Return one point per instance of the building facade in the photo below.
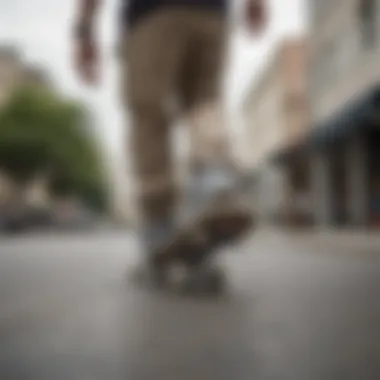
(277, 113)
(346, 47)
(344, 83)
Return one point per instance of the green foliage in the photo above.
(40, 131)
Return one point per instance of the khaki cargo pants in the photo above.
(172, 66)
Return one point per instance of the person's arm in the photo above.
(256, 14)
(86, 14)
(85, 43)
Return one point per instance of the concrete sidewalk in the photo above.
(323, 240)
(68, 311)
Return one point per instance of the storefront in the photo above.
(294, 162)
(374, 175)
(341, 162)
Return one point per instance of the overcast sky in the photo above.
(41, 28)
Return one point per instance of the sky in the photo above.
(41, 30)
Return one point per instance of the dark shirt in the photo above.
(134, 10)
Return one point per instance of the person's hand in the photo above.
(86, 56)
(256, 16)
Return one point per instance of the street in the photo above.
(297, 308)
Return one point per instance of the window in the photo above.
(367, 22)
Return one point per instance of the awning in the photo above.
(355, 115)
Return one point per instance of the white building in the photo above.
(345, 52)
(344, 72)
(277, 115)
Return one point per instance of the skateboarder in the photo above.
(171, 62)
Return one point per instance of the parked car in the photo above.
(74, 218)
(24, 218)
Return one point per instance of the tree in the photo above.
(42, 132)
(23, 143)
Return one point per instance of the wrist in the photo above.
(83, 29)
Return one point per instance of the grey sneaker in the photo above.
(205, 183)
(214, 203)
(153, 237)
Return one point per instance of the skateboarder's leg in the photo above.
(215, 176)
(152, 57)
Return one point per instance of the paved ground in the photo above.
(298, 308)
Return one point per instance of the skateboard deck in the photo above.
(224, 221)
(198, 240)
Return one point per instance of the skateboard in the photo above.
(195, 246)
